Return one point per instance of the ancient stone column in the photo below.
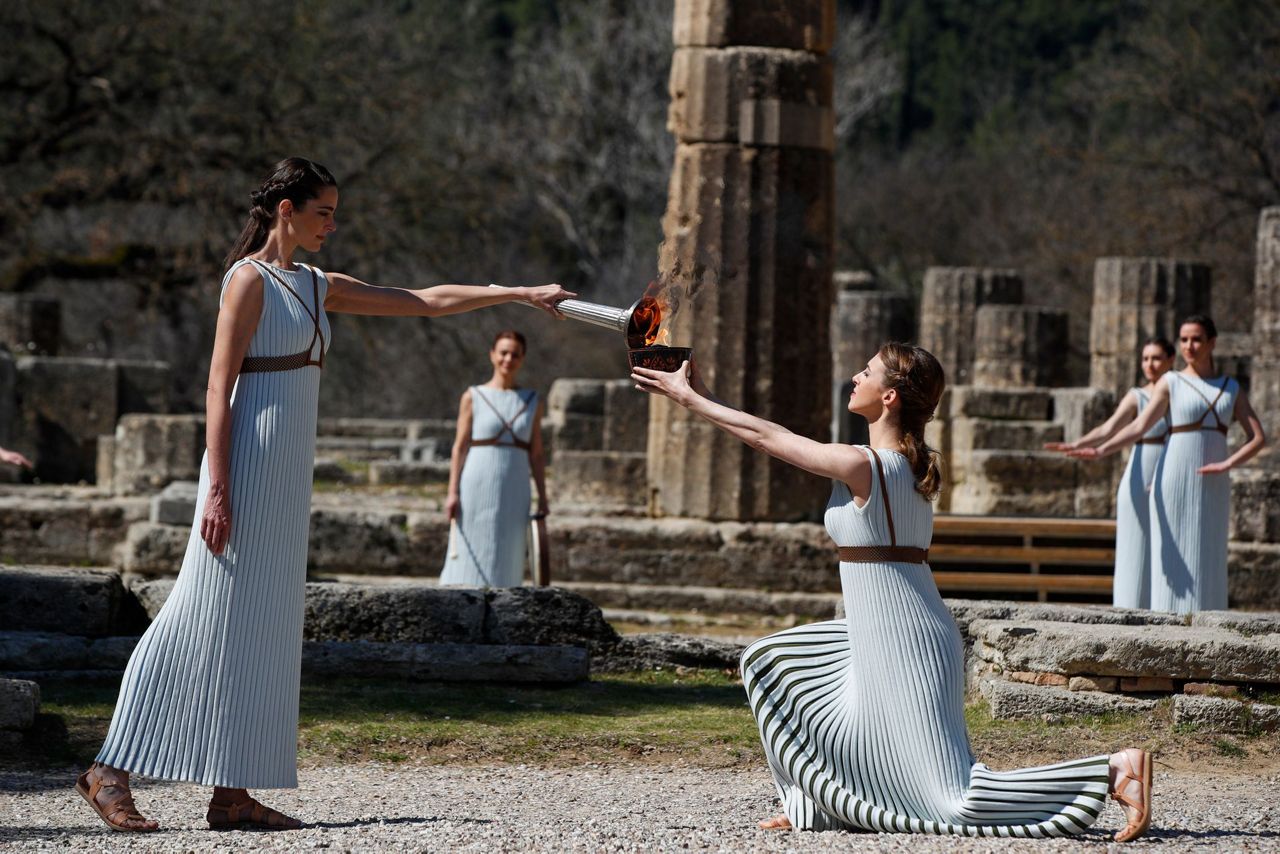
(948, 306)
(1134, 299)
(1019, 346)
(748, 241)
(862, 320)
(1264, 389)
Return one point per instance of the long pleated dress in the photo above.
(1131, 587)
(210, 694)
(1189, 511)
(487, 546)
(862, 719)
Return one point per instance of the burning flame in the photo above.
(647, 320)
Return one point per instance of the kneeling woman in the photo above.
(862, 719)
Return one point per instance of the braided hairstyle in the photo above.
(919, 380)
(295, 178)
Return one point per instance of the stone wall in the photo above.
(948, 312)
(862, 319)
(599, 429)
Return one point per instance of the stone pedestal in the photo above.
(948, 311)
(748, 244)
(862, 320)
(1019, 346)
(1264, 391)
(1133, 300)
(152, 451)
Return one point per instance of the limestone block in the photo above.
(59, 599)
(1242, 622)
(143, 386)
(1010, 404)
(1021, 469)
(359, 449)
(1017, 701)
(1210, 689)
(1019, 346)
(36, 652)
(1264, 388)
(664, 650)
(1032, 678)
(1217, 714)
(399, 613)
(970, 434)
(364, 541)
(105, 465)
(175, 504)
(626, 418)
(428, 542)
(751, 96)
(545, 616)
(948, 305)
(64, 405)
(150, 593)
(384, 472)
(1093, 683)
(155, 450)
(30, 325)
(575, 433)
(1172, 652)
(577, 396)
(599, 479)
(799, 24)
(67, 531)
(1253, 575)
(969, 614)
(19, 702)
(1255, 505)
(1146, 685)
(150, 547)
(447, 662)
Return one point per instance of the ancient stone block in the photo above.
(30, 325)
(862, 320)
(1264, 389)
(599, 479)
(751, 96)
(1019, 346)
(577, 396)
(425, 451)
(385, 472)
(402, 613)
(1015, 701)
(1032, 678)
(367, 541)
(1218, 714)
(143, 386)
(748, 234)
(447, 662)
(1241, 622)
(1253, 575)
(67, 531)
(1011, 404)
(175, 504)
(805, 25)
(19, 702)
(150, 593)
(329, 469)
(626, 418)
(368, 428)
(664, 650)
(1079, 410)
(58, 599)
(155, 450)
(948, 305)
(1146, 685)
(1015, 468)
(545, 616)
(36, 652)
(105, 466)
(63, 406)
(969, 434)
(1210, 689)
(1255, 505)
(359, 449)
(1093, 683)
(153, 548)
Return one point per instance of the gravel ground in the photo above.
(593, 808)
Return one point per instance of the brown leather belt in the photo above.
(1192, 428)
(882, 554)
(1157, 441)
(514, 443)
(272, 364)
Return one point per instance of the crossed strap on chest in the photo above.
(508, 426)
(1211, 410)
(1153, 440)
(272, 364)
(892, 553)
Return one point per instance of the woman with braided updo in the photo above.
(862, 718)
(210, 694)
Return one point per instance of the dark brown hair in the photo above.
(514, 336)
(919, 380)
(1204, 321)
(295, 178)
(1161, 342)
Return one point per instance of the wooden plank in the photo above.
(1022, 583)
(977, 553)
(948, 523)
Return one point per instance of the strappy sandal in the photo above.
(1136, 826)
(115, 813)
(248, 815)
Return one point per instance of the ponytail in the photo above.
(295, 178)
(926, 463)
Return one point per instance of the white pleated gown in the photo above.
(1131, 587)
(487, 546)
(1189, 511)
(210, 694)
(862, 719)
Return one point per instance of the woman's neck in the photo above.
(1201, 370)
(884, 434)
(276, 251)
(502, 382)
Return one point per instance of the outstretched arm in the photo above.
(461, 444)
(15, 458)
(839, 462)
(348, 295)
(1136, 429)
(1254, 441)
(1125, 412)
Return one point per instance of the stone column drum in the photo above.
(1019, 346)
(863, 319)
(748, 242)
(948, 306)
(1133, 300)
(1264, 391)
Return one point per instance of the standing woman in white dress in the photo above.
(210, 694)
(1131, 584)
(497, 446)
(862, 719)
(1191, 491)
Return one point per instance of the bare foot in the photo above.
(778, 822)
(234, 808)
(1131, 788)
(107, 791)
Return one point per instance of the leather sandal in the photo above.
(778, 822)
(1141, 820)
(248, 815)
(116, 813)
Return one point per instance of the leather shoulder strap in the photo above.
(884, 494)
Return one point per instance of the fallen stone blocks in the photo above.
(19, 703)
(76, 529)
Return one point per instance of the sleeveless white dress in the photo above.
(862, 719)
(1131, 587)
(210, 694)
(487, 546)
(1190, 512)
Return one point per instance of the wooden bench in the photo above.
(1035, 555)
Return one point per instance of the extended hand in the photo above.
(215, 526)
(547, 297)
(1213, 468)
(17, 459)
(452, 505)
(1063, 447)
(674, 385)
(1085, 453)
